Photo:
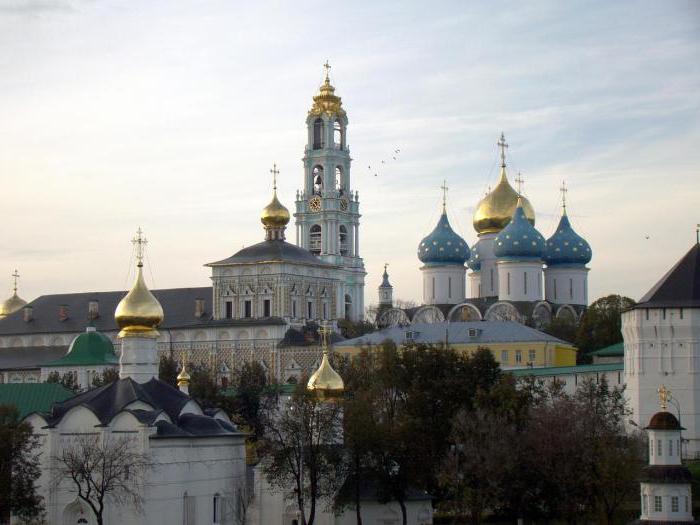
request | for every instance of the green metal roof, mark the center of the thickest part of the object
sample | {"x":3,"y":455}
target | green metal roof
{"x":89,"y":348}
{"x":566,"y":370}
{"x":616,"y":350}
{"x":33,"y":397}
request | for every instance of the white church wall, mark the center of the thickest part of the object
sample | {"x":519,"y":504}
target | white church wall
{"x":519,"y":280}
{"x":443,"y":284}
{"x":566,"y":284}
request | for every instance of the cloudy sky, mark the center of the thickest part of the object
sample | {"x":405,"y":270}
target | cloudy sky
{"x":169,"y":114}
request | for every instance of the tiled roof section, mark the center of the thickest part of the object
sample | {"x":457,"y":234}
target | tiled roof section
{"x":457,"y":333}
{"x":28,"y":397}
{"x":178,"y":305}
{"x":680,"y":287}
{"x":23,"y":358}
{"x":272,"y":251}
{"x":568,"y":370}
{"x":616,"y":350}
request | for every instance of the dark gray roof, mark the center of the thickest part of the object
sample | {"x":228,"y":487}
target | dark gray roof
{"x":680,"y":287}
{"x":272,"y":251}
{"x":29,"y":358}
{"x":178,"y":305}
{"x":108,"y":400}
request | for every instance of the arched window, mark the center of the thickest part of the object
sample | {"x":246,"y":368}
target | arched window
{"x":315,"y":239}
{"x":348,"y":307}
{"x":343,"y":238}
{"x":318,"y":133}
{"x":338,"y":142}
{"x":339,"y":179}
{"x":317,"y":175}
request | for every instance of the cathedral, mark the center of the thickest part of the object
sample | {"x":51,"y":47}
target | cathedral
{"x":516,"y":275}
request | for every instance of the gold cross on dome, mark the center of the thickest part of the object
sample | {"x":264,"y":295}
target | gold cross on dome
{"x":503,"y":145}
{"x":324,"y":331}
{"x":444,"y":194}
{"x":664,"y":396}
{"x":140,"y":243}
{"x":15,"y":275}
{"x":274,"y":172}
{"x":327,"y":67}
{"x":519,"y":182}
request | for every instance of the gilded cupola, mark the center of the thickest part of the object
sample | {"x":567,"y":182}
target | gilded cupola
{"x":14,"y":302}
{"x":139,"y":313}
{"x":274,"y":216}
{"x":327,"y":101}
{"x":494,"y":211}
{"x":325,"y":381}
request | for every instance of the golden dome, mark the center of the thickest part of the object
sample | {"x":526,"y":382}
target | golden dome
{"x":496,"y":209}
{"x":183,"y":378}
{"x":11,"y":305}
{"x":274,"y":215}
{"x":139,"y":313}
{"x":327,"y":101}
{"x":325,"y":381}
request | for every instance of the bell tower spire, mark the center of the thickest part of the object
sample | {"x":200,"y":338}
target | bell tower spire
{"x":327,"y":208}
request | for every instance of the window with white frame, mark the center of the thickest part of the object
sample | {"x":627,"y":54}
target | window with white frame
{"x":674,"y":503}
{"x":658,"y":504}
{"x":531,"y":355}
{"x":504,"y":356}
{"x":518,"y":356}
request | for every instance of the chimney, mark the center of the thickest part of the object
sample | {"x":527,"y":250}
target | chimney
{"x":93,"y":309}
{"x":63,"y":312}
{"x":28,"y":313}
{"x":198,"y":308}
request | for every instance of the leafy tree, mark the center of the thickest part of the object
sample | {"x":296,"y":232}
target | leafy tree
{"x":351,"y":329}
{"x":562,"y":328}
{"x":19,"y":468}
{"x":100,"y":470}
{"x":601,"y":323}
{"x":251,"y":386}
{"x":168,"y":370}
{"x":68,"y":380}
{"x":301,"y":449}
{"x":108,"y":375}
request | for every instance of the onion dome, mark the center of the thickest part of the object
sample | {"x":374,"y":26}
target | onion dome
{"x":385,"y":279}
{"x":139,"y":313}
{"x":183,"y":378}
{"x":325,"y":381}
{"x":664,"y":421}
{"x":327,"y":101}
{"x":89,"y":348}
{"x":11,"y":305}
{"x":566,"y":246}
{"x":274,"y":215}
{"x":520,"y":239}
{"x":494,"y":211}
{"x":474,"y":261}
{"x":443,"y":245}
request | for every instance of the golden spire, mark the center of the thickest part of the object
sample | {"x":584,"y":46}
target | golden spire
{"x":14,"y":302}
{"x":664,"y":396}
{"x":139,"y":313}
{"x":325,"y":381}
{"x":274,"y":216}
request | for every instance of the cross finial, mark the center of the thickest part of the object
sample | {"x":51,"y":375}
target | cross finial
{"x":274,"y":172}
{"x":503,"y":145}
{"x":15,"y":276}
{"x":564,"y":191}
{"x":386,"y":265}
{"x":664,"y":396}
{"x":519,"y":182}
{"x":140,"y":243}
{"x":324,"y":331}
{"x":444,"y":194}
{"x":327,"y":68}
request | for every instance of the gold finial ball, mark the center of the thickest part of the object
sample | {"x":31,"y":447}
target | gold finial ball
{"x":274,"y":215}
{"x":495,"y":210}
{"x":139,"y":313}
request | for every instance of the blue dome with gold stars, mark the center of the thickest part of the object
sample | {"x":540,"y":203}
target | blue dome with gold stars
{"x":520,"y":239}
{"x":443,"y":245}
{"x":566,"y":246}
{"x":474,"y":261}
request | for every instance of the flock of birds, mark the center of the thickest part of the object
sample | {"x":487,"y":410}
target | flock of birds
{"x":394,"y":156}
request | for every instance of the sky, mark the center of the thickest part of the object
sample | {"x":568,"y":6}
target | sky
{"x":168,"y":115}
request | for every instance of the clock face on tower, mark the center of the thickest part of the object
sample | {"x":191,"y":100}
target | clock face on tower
{"x":315,"y":203}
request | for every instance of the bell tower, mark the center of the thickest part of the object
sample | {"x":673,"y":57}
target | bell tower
{"x":327,"y":208}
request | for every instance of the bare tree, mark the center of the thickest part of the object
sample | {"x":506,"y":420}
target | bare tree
{"x":102,"y":467}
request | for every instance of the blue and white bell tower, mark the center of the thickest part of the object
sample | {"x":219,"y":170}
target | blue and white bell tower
{"x":327,"y":208}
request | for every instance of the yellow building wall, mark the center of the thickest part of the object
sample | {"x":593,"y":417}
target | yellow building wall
{"x":510,"y":355}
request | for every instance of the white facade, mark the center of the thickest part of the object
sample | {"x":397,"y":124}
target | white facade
{"x":488,"y":282}
{"x":662,"y":346}
{"x":443,"y":284}
{"x":566,"y":284}
{"x":519,"y":280}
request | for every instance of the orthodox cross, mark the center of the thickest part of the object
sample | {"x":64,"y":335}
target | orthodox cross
{"x":324,"y":331}
{"x":664,"y":396}
{"x":444,"y":194}
{"x":503,"y":145}
{"x":140,"y":243}
{"x":16,"y":278}
{"x":563,"y":194}
{"x":327,"y":67}
{"x":386,"y":265}
{"x":519,"y":181}
{"x":274,"y":172}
